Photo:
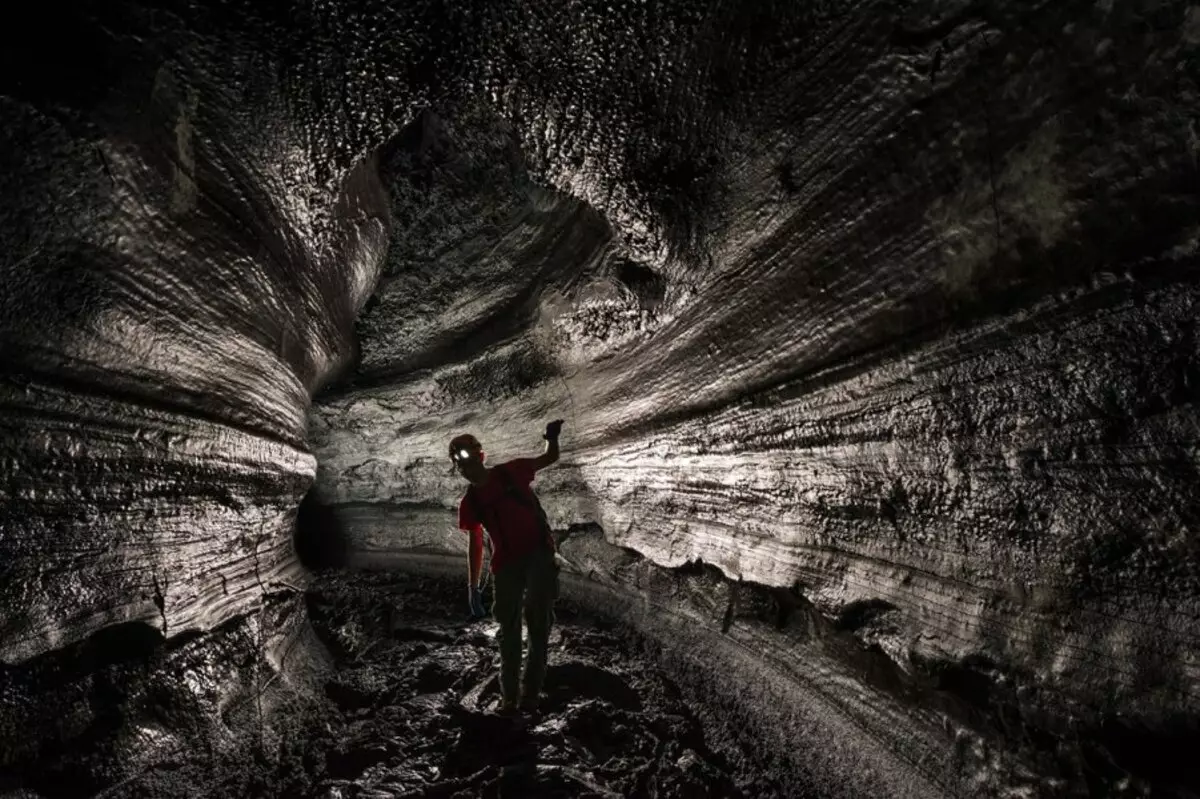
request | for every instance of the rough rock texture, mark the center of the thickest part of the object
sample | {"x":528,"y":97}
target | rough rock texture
{"x":174,"y":292}
{"x":888,"y":304}
{"x":931,"y":353}
{"x":416,"y":691}
{"x":124,"y":714}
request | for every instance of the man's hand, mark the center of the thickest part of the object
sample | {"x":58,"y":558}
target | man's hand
{"x":551,"y":454}
{"x":477,"y":609}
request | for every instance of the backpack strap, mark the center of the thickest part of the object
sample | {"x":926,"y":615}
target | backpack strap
{"x":529,"y":500}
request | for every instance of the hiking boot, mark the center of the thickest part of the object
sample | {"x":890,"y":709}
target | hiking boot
{"x":508,"y":707}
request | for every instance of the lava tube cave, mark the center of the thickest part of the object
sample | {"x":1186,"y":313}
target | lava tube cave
{"x":871,"y":326}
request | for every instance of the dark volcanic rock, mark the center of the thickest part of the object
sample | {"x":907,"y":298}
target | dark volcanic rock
{"x":875,"y":317}
{"x":609,"y":725}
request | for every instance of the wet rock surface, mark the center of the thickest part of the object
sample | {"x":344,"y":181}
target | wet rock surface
{"x":414,"y":698}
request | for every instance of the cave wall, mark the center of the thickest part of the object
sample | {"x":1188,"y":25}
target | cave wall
{"x":926,"y":344}
{"x":888,"y":303}
{"x":174,"y":291}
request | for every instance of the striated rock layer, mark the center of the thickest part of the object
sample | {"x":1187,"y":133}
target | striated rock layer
{"x":174,"y":291}
{"x":929,"y":357}
{"x":891,"y":305}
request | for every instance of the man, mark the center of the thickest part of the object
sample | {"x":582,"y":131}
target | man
{"x":501,"y":501}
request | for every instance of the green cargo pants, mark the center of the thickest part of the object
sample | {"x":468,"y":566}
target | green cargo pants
{"x":529,"y":583}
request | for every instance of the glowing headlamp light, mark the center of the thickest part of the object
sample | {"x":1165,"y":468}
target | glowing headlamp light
{"x":463,"y":454}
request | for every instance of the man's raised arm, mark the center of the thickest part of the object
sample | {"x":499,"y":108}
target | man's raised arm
{"x":551,"y":454}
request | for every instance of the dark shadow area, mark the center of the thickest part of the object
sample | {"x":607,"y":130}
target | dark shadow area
{"x":129,"y":642}
{"x":565,"y":682}
{"x":125,"y":645}
{"x":1170,"y":751}
{"x":646,"y":284}
{"x":101,"y":676}
{"x":858,"y":614}
{"x":320,"y":539}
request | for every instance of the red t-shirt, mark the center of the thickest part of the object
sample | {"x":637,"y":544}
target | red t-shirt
{"x":514,"y":526}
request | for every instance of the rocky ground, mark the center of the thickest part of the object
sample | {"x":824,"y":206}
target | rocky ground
{"x":414,"y":695}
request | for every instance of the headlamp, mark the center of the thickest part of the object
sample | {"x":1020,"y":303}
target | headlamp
{"x":463,"y":454}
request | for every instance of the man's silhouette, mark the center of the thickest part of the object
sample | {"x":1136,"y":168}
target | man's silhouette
{"x":501,"y":501}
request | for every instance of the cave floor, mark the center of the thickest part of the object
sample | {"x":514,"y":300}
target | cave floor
{"x":414,"y":694}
